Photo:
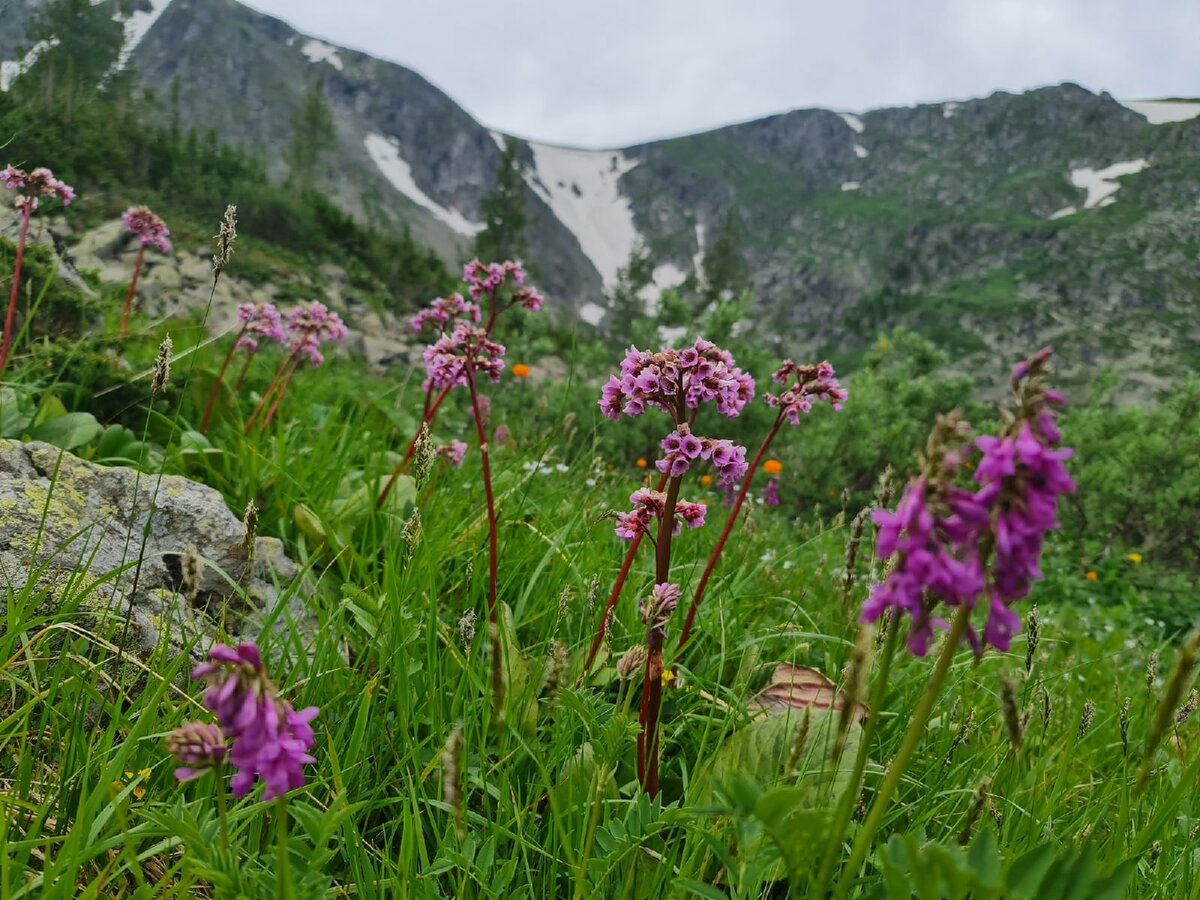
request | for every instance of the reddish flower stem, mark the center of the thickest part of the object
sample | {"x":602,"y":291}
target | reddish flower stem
{"x":733,"y":515}
{"x":216,"y":388}
{"x":237,"y":387}
{"x":287,"y":361}
{"x":431,"y":410}
{"x":602,"y":628}
{"x":279,"y":395}
{"x":26,"y":214}
{"x":487,"y":489}
{"x":648,"y":737}
{"x":137,"y":271}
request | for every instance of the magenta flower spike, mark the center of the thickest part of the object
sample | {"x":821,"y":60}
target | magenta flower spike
{"x":957,"y":546}
{"x":29,"y":187}
{"x":270,"y":739}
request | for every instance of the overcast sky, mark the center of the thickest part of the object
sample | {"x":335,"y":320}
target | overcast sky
{"x":617,"y":72}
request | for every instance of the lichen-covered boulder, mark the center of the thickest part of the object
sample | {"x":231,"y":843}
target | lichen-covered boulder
{"x":163,"y":553}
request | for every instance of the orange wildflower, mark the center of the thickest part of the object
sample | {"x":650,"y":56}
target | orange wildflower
{"x":772,"y":467}
{"x":705,"y":480}
{"x":520,"y":370}
{"x":1090,"y":576}
{"x":641,"y":463}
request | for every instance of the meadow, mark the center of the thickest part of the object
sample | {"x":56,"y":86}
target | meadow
{"x":483,"y":728}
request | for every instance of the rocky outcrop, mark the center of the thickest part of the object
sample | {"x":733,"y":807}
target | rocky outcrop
{"x":164,"y":554}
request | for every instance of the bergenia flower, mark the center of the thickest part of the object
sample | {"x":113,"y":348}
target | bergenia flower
{"x":446,"y":359}
{"x":442,"y":311}
{"x":648,"y":506}
{"x":671,"y":380}
{"x":310,"y":326}
{"x":199,"y":746}
{"x":682,"y":448}
{"x":32,"y":185}
{"x":805,"y":385}
{"x":656,"y":610}
{"x":151,"y":231}
{"x":270,"y":739}
{"x":453,"y":452}
{"x":259,"y":320}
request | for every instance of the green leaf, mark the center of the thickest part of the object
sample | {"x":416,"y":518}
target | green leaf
{"x":68,"y":431}
{"x":52,"y":408}
{"x":14,"y":419}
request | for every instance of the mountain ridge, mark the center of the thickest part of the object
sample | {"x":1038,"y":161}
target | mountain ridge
{"x":972,"y":220}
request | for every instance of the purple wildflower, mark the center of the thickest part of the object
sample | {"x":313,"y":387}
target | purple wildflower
{"x":656,"y":610}
{"x":944,"y":534}
{"x":808,"y":384}
{"x":38,"y":183}
{"x":441,"y":311}
{"x":453,"y":452}
{"x":259,"y":320}
{"x":270,"y":739}
{"x":311,"y":325}
{"x":199,"y":746}
{"x":648,"y":506}
{"x":446,"y":359}
{"x":151,"y":231}
{"x":674,"y":379}
{"x":771,"y":493}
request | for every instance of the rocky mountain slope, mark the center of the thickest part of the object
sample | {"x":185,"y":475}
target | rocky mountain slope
{"x":989,"y":224}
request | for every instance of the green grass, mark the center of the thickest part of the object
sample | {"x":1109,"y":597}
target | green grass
{"x":552,"y":806}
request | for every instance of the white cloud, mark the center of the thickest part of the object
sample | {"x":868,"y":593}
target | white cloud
{"x":617,"y":73}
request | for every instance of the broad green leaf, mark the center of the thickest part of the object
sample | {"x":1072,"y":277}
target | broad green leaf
{"x":68,"y":431}
{"x":52,"y":408}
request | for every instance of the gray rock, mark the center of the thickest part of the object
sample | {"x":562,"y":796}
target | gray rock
{"x":78,"y":529}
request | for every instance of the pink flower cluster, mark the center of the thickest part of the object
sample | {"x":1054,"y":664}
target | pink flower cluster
{"x":945,"y":533}
{"x":809,"y":383}
{"x":648,"y":506}
{"x":682,"y":447}
{"x":453,"y":452}
{"x":488,"y":279}
{"x":270,"y":740}
{"x":771,"y":493}
{"x":442,"y":310}
{"x":32,"y":185}
{"x":310,"y":326}
{"x":671,"y":380}
{"x":151,"y":231}
{"x":446,"y":359}
{"x":259,"y":320}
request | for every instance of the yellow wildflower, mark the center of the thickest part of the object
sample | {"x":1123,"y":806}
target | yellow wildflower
{"x":1135,"y":558}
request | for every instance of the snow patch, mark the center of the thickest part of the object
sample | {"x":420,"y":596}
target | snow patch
{"x":850,"y":185}
{"x":1101,"y":184}
{"x":592,"y":313}
{"x":582,"y":190}
{"x":1158,"y":112}
{"x":385,"y":153}
{"x":860,"y":151}
{"x":949,"y":109}
{"x":136,"y":27}
{"x":1065,"y":211}
{"x":854,"y":122}
{"x":500,"y":140}
{"x":11,"y":69}
{"x":319,"y":51}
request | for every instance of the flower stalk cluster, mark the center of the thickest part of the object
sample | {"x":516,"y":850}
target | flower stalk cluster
{"x":462,"y":353}
{"x":150,"y":231}
{"x":677,"y":382}
{"x":29,"y":188}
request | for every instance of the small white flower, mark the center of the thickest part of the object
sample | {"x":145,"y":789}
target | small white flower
{"x":563,"y":468}
{"x":787,"y":564}
{"x":591,"y":482}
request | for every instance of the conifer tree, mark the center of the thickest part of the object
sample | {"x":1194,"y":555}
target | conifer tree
{"x":504,"y":213}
